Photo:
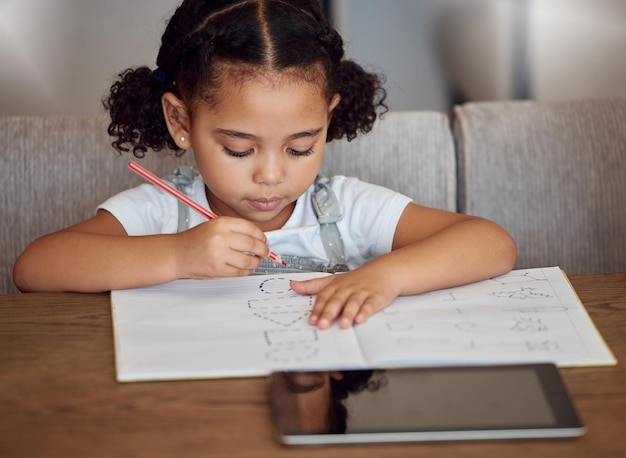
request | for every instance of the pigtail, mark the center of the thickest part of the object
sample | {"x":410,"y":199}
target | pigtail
{"x":134,"y":102}
{"x":136,"y":115}
{"x":183,"y":64}
{"x":362,"y":93}
{"x":362,"y":98}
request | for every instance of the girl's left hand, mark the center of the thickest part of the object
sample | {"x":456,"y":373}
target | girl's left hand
{"x":352,"y":297}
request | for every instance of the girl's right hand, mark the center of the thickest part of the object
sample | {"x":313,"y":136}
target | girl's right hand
{"x":223,"y":247}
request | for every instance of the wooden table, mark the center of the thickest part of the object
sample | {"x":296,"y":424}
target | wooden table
{"x":59,"y":396}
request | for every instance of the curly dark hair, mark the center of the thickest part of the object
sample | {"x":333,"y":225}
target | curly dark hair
{"x":267,"y":35}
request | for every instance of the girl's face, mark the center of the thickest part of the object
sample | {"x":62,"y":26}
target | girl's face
{"x":259,"y":146}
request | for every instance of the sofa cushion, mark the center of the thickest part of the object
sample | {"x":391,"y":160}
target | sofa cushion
{"x":553,"y":174}
{"x":409,"y":151}
{"x":55,"y":171}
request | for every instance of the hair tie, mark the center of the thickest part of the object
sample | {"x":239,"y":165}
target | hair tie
{"x":324,"y":34}
{"x":162,"y":77}
{"x":332,"y":42}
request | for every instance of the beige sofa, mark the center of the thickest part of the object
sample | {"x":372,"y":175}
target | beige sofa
{"x":553,"y":174}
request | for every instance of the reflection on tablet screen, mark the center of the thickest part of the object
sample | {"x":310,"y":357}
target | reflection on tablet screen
{"x":522,"y":400}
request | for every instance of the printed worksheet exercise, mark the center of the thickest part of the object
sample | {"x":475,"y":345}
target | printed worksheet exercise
{"x":250,"y":326}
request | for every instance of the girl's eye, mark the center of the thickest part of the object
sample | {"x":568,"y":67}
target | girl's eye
{"x":232,"y":153}
{"x":296,"y":152}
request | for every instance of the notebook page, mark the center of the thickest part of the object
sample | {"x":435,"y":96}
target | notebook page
{"x":530,"y":315}
{"x":244,"y":326}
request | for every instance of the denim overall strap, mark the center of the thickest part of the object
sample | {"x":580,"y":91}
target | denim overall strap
{"x":328,"y":213}
{"x":182,"y":179}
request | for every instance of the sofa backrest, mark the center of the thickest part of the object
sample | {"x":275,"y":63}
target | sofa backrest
{"x":409,"y":151}
{"x":56,"y":170}
{"x":553,"y":174}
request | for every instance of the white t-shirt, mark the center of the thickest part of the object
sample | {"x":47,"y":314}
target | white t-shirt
{"x":370,"y":214}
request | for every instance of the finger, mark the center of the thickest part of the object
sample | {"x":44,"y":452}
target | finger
{"x":221,"y":269}
{"x":313,"y":286}
{"x":327,"y":308}
{"x":349,"y":312}
{"x":241,"y":227}
{"x":325,"y":293}
{"x":249,"y":246}
{"x":366,"y":311}
{"x":243,"y":262}
{"x":349,"y":309}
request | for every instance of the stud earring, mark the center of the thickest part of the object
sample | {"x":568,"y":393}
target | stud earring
{"x":182,"y":139}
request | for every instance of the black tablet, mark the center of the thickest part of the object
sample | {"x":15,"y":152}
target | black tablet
{"x":422,"y":404}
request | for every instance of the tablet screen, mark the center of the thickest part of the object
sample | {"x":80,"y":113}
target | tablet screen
{"x":422,"y":404}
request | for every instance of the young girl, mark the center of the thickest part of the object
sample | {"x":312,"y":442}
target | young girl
{"x":255,"y":88}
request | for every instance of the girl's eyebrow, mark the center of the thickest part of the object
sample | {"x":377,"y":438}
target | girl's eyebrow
{"x":305,"y":134}
{"x":302,"y":389}
{"x":245,"y":136}
{"x":234,"y":133}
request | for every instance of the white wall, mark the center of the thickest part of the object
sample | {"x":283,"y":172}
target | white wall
{"x":577,"y":48}
{"x":60,"y":56}
{"x":430,"y":48}
{"x":400,"y":39}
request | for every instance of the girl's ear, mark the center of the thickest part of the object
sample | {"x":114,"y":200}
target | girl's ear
{"x":333,"y":104}
{"x":177,"y":120}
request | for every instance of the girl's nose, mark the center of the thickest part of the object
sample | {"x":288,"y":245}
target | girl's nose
{"x":270,"y":169}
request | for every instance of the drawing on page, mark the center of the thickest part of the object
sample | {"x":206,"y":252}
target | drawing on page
{"x":528,"y":324}
{"x":275,"y":285}
{"x":542,"y":345}
{"x":521,"y":293}
{"x":279,"y":304}
{"x":291,"y":345}
{"x":282,"y":310}
{"x":513,"y":286}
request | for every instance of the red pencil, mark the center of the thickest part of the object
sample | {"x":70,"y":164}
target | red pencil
{"x":165,"y":186}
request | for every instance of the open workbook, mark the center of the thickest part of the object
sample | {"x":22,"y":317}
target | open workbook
{"x":249,"y":326}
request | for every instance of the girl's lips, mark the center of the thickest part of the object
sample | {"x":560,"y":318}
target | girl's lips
{"x":265,"y":204}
